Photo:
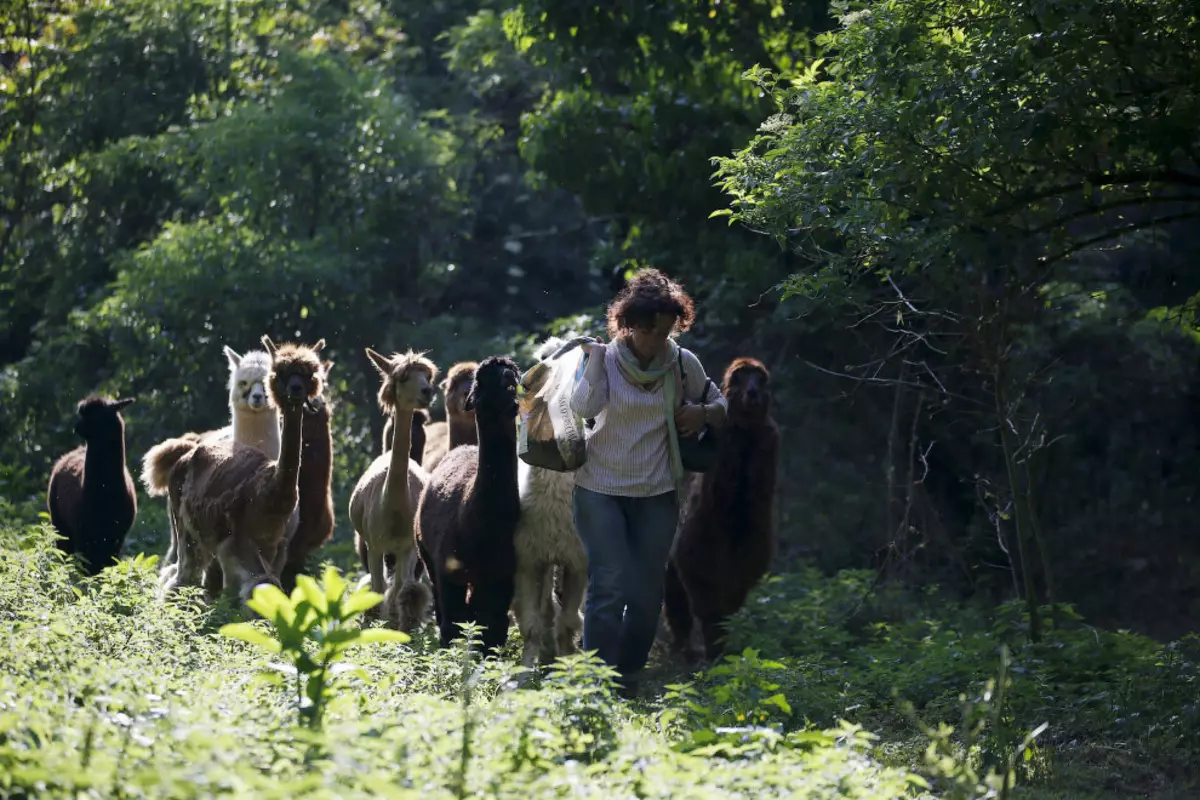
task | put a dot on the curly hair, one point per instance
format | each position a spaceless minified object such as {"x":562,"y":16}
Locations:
{"x":649,"y":293}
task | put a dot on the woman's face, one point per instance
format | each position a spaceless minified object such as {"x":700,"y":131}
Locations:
{"x":652,"y":339}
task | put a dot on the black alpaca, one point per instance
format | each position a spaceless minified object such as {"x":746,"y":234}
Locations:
{"x":90,"y":496}
{"x":468,"y":513}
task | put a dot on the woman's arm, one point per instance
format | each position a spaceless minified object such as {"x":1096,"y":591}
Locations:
{"x":696,"y":384}
{"x":590,"y":395}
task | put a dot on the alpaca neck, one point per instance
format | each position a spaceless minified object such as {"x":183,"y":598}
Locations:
{"x":497,"y":477}
{"x":104,"y":463}
{"x":316,"y":464}
{"x":461,"y":431}
{"x":259,"y":429}
{"x":395,"y":489}
{"x":287,"y":469}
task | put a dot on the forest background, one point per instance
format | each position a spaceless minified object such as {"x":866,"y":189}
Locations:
{"x":961,"y":234}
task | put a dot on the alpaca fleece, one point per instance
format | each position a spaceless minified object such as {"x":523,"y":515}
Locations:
{"x":314,"y":511}
{"x":468,"y":513}
{"x":727,"y":536}
{"x":90,"y":494}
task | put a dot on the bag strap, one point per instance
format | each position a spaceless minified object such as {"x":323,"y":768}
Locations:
{"x":683,"y":379}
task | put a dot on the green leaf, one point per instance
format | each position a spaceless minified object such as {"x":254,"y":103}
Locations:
{"x":335,"y":584}
{"x":270,"y":601}
{"x":312,"y":593}
{"x":359,"y":602}
{"x":373,"y":635}
{"x":247,"y":632}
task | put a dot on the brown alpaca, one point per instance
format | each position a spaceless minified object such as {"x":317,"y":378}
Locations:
{"x":385,"y":498}
{"x":314,"y":517}
{"x":229,"y":501}
{"x":727,"y":534}
{"x":459,"y":427}
{"x":468,"y":514}
{"x":90,"y":496}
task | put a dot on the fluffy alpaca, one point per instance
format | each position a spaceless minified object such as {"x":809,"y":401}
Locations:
{"x":313,"y":521}
{"x":253,"y":418}
{"x":468,"y":513}
{"x":90,"y":495}
{"x":230,"y":501}
{"x":385,"y":499}
{"x":459,"y":427}
{"x":416,"y":448}
{"x":547,"y":545}
{"x":727,"y":535}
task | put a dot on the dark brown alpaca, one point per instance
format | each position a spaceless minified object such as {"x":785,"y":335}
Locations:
{"x":90,"y":496}
{"x":727,"y":535}
{"x":314,"y":523}
{"x":229,"y":501}
{"x":468,"y":513}
{"x":439,"y":438}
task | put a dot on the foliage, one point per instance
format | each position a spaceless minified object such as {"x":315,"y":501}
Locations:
{"x":109,"y":689}
{"x":316,"y":614}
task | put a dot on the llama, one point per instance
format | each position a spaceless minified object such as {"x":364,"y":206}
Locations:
{"x":312,"y":525}
{"x":416,"y":448}
{"x":459,"y":427}
{"x":383,"y":502}
{"x":90,"y":495}
{"x":230,"y":501}
{"x":727,"y":534}
{"x":254,"y":418}
{"x":468,"y":513}
{"x":546,"y":545}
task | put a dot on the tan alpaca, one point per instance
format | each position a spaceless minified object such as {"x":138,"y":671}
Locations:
{"x":229,"y":501}
{"x":459,"y":427}
{"x":385,"y":498}
{"x":253,"y":420}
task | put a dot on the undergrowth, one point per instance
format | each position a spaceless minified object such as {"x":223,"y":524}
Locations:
{"x":108,"y":690}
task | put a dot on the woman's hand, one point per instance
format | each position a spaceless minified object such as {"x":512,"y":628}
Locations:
{"x":689,"y":419}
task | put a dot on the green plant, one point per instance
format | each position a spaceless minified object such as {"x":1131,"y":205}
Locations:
{"x":312,"y":632}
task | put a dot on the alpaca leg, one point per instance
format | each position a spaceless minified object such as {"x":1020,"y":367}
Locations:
{"x":214,"y":580}
{"x":489,"y":607}
{"x":548,"y":615}
{"x":375,"y":561}
{"x":452,"y":608}
{"x":678,"y":608}
{"x":243,"y":566}
{"x":570,"y":616}
{"x":531,"y":594}
{"x":188,"y":569}
{"x":712,"y":628}
{"x":433,"y":582}
{"x":413,"y":596}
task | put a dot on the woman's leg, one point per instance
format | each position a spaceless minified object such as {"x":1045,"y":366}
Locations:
{"x":652,"y":522}
{"x":602,"y":526}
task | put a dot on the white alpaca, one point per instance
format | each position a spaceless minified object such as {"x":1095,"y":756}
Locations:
{"x":547,"y":545}
{"x":254,"y":420}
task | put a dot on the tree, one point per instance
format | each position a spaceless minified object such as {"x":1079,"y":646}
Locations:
{"x":971,"y":158}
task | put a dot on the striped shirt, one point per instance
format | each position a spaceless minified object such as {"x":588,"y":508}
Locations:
{"x":627,"y":451}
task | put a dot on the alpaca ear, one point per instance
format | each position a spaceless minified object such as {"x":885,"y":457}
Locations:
{"x":469,"y":400}
{"x":267,"y":343}
{"x":381,"y":363}
{"x":316,"y":348}
{"x":123,"y":402}
{"x":234,"y":359}
{"x":326,"y":366}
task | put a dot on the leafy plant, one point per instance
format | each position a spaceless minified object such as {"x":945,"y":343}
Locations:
{"x":312,"y":633}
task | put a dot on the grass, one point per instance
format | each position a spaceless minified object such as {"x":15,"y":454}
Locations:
{"x":108,"y":690}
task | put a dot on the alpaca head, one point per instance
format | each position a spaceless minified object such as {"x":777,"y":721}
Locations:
{"x":748,"y":387}
{"x":99,"y":418}
{"x":320,"y":408}
{"x":457,"y":386}
{"x":408,"y":380}
{"x":494,"y":391}
{"x":248,"y":380}
{"x":296,"y":375}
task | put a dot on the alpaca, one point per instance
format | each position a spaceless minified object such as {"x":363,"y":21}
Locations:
{"x":468,"y":513}
{"x":459,"y":427}
{"x":416,"y":448}
{"x":727,"y":536}
{"x":546,"y":544}
{"x":254,"y":418}
{"x":230,"y":501}
{"x":90,"y":495}
{"x":383,"y":502}
{"x":312,"y":525}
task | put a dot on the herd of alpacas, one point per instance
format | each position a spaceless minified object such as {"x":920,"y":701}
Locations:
{"x":446,"y":516}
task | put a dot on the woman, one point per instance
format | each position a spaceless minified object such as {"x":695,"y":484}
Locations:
{"x":626,"y":500}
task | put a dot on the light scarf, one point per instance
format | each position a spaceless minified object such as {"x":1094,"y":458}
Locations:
{"x":649,"y":379}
